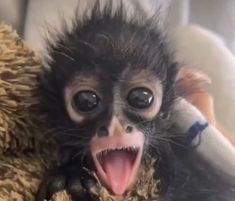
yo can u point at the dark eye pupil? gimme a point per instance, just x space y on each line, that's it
140 98
86 101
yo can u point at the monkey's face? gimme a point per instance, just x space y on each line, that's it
113 111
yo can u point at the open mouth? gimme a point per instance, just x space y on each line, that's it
117 168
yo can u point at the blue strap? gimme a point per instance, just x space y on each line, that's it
196 129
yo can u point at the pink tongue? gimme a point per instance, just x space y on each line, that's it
118 167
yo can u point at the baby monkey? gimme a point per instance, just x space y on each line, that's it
109 92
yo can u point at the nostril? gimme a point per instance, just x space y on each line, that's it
129 129
102 131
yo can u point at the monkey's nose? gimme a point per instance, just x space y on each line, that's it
129 129
116 127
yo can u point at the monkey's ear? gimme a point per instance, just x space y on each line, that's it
191 81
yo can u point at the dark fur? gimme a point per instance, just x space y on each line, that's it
108 44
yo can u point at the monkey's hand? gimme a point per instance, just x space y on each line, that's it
70 177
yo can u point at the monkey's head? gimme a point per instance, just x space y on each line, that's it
109 86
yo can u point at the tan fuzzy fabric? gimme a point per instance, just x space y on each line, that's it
61 196
22 124
20 119
20 177
19 67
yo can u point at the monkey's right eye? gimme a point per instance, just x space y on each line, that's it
86 101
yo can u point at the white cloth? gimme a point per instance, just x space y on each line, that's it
201 49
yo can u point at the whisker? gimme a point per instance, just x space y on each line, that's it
83 153
61 129
64 133
65 55
153 140
77 143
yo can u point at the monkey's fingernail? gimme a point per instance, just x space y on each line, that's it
56 184
75 186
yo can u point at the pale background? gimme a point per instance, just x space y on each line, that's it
217 15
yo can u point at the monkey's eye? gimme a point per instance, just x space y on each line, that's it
140 98
86 101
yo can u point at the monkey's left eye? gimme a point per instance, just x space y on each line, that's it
140 98
86 101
